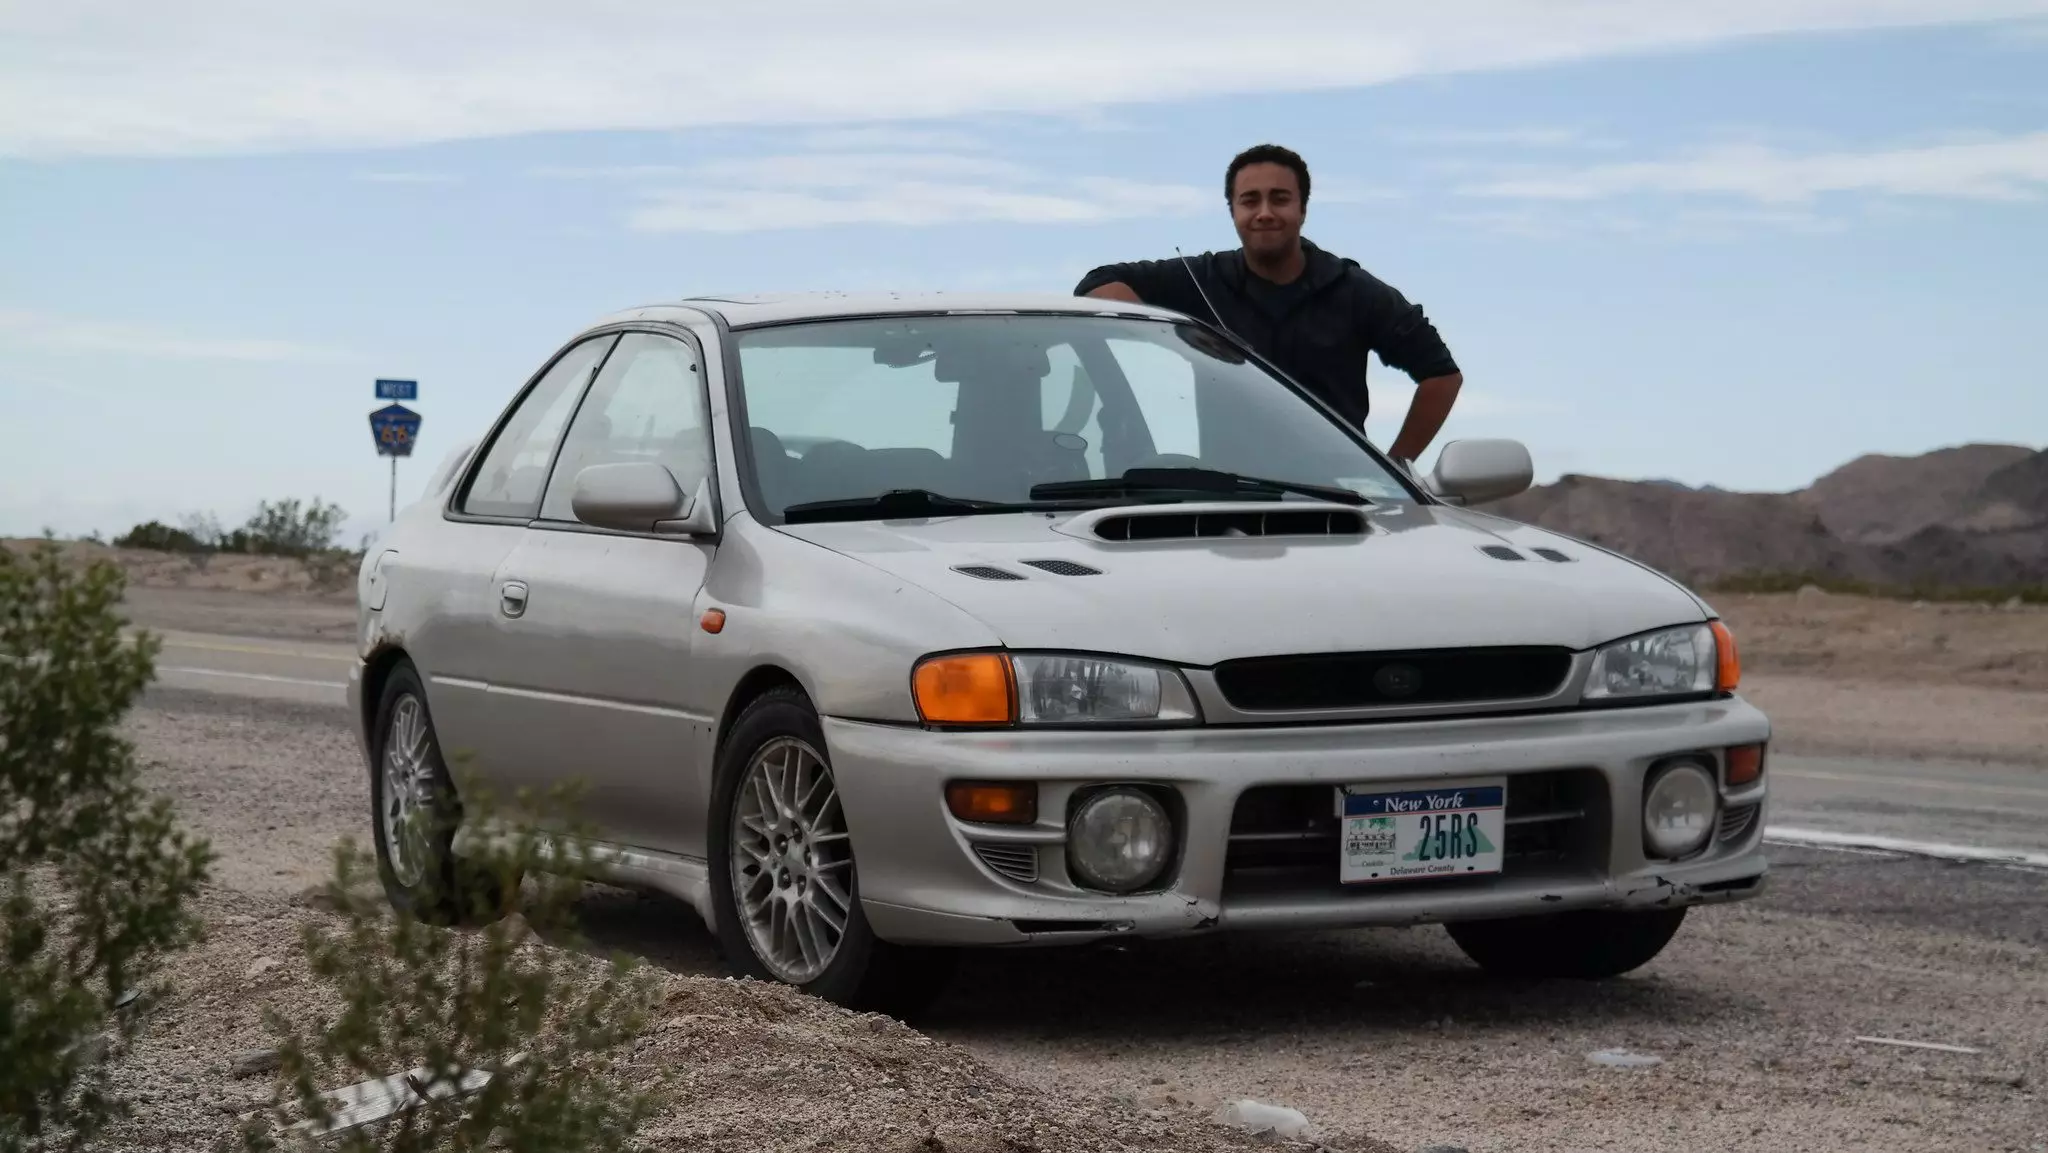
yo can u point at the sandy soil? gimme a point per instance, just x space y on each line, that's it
1377 1037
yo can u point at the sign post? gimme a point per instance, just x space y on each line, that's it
396 429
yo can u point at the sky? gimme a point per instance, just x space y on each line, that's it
1736 243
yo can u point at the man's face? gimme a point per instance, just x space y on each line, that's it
1265 204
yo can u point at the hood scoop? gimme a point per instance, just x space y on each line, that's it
1226 519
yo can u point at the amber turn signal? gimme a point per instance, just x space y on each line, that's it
993 804
1745 764
966 689
1728 666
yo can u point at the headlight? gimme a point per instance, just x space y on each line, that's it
1664 663
1048 689
1678 810
1119 840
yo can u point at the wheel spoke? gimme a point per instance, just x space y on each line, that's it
835 922
830 888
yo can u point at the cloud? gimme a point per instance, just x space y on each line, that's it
208 77
821 189
1526 138
407 178
1986 169
45 331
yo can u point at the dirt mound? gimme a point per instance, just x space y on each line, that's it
743 1065
332 577
1692 535
1887 498
1973 517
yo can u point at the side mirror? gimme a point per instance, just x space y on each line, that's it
640 496
1477 471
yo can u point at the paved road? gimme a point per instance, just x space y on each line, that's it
1921 805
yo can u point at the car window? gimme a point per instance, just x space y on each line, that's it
986 407
515 468
646 404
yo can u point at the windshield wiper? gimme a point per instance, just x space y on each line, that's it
906 502
1205 480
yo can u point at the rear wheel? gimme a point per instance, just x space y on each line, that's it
783 877
415 813
1585 944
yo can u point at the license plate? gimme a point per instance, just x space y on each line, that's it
1420 834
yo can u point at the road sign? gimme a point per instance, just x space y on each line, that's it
395 428
398 389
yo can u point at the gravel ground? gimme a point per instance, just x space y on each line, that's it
1377 1036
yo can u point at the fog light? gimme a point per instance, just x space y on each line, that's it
1678 810
1118 840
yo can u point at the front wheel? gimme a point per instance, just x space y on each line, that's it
1585 944
783 879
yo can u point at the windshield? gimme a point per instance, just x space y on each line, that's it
985 407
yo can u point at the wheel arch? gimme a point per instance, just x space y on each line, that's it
758 682
376 671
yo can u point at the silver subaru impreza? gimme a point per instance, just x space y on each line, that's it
877 626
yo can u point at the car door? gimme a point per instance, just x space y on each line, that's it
453 633
597 627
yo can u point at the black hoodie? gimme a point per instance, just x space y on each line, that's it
1337 315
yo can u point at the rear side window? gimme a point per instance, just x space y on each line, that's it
515 467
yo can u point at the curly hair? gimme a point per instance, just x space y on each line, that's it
1266 154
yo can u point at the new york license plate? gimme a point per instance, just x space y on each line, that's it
1419 834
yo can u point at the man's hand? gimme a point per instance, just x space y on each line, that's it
1116 290
1426 413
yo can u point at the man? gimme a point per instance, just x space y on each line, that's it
1313 314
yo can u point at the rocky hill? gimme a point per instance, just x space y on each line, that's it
1968 517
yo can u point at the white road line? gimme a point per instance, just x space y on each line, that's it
1910 783
1828 839
198 672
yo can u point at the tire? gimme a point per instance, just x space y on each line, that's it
780 729
423 878
1586 945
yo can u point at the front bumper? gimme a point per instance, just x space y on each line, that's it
926 878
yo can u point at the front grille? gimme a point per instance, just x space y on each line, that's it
1735 822
1555 818
1017 862
1358 680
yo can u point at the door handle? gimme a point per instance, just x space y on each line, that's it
512 598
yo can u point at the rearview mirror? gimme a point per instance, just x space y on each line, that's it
640 496
1477 471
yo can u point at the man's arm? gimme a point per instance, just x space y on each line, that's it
1164 283
1406 340
1426 414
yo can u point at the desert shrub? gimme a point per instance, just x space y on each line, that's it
94 874
160 537
520 1000
285 528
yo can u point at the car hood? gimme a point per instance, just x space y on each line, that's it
1418 579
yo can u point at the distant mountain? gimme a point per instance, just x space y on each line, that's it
1887 498
1970 516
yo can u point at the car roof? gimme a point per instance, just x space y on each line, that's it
754 309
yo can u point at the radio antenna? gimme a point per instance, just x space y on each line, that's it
1204 294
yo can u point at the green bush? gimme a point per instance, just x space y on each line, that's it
95 873
519 999
282 528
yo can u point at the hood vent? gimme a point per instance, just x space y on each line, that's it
1209 523
1552 555
1064 568
1501 552
986 572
